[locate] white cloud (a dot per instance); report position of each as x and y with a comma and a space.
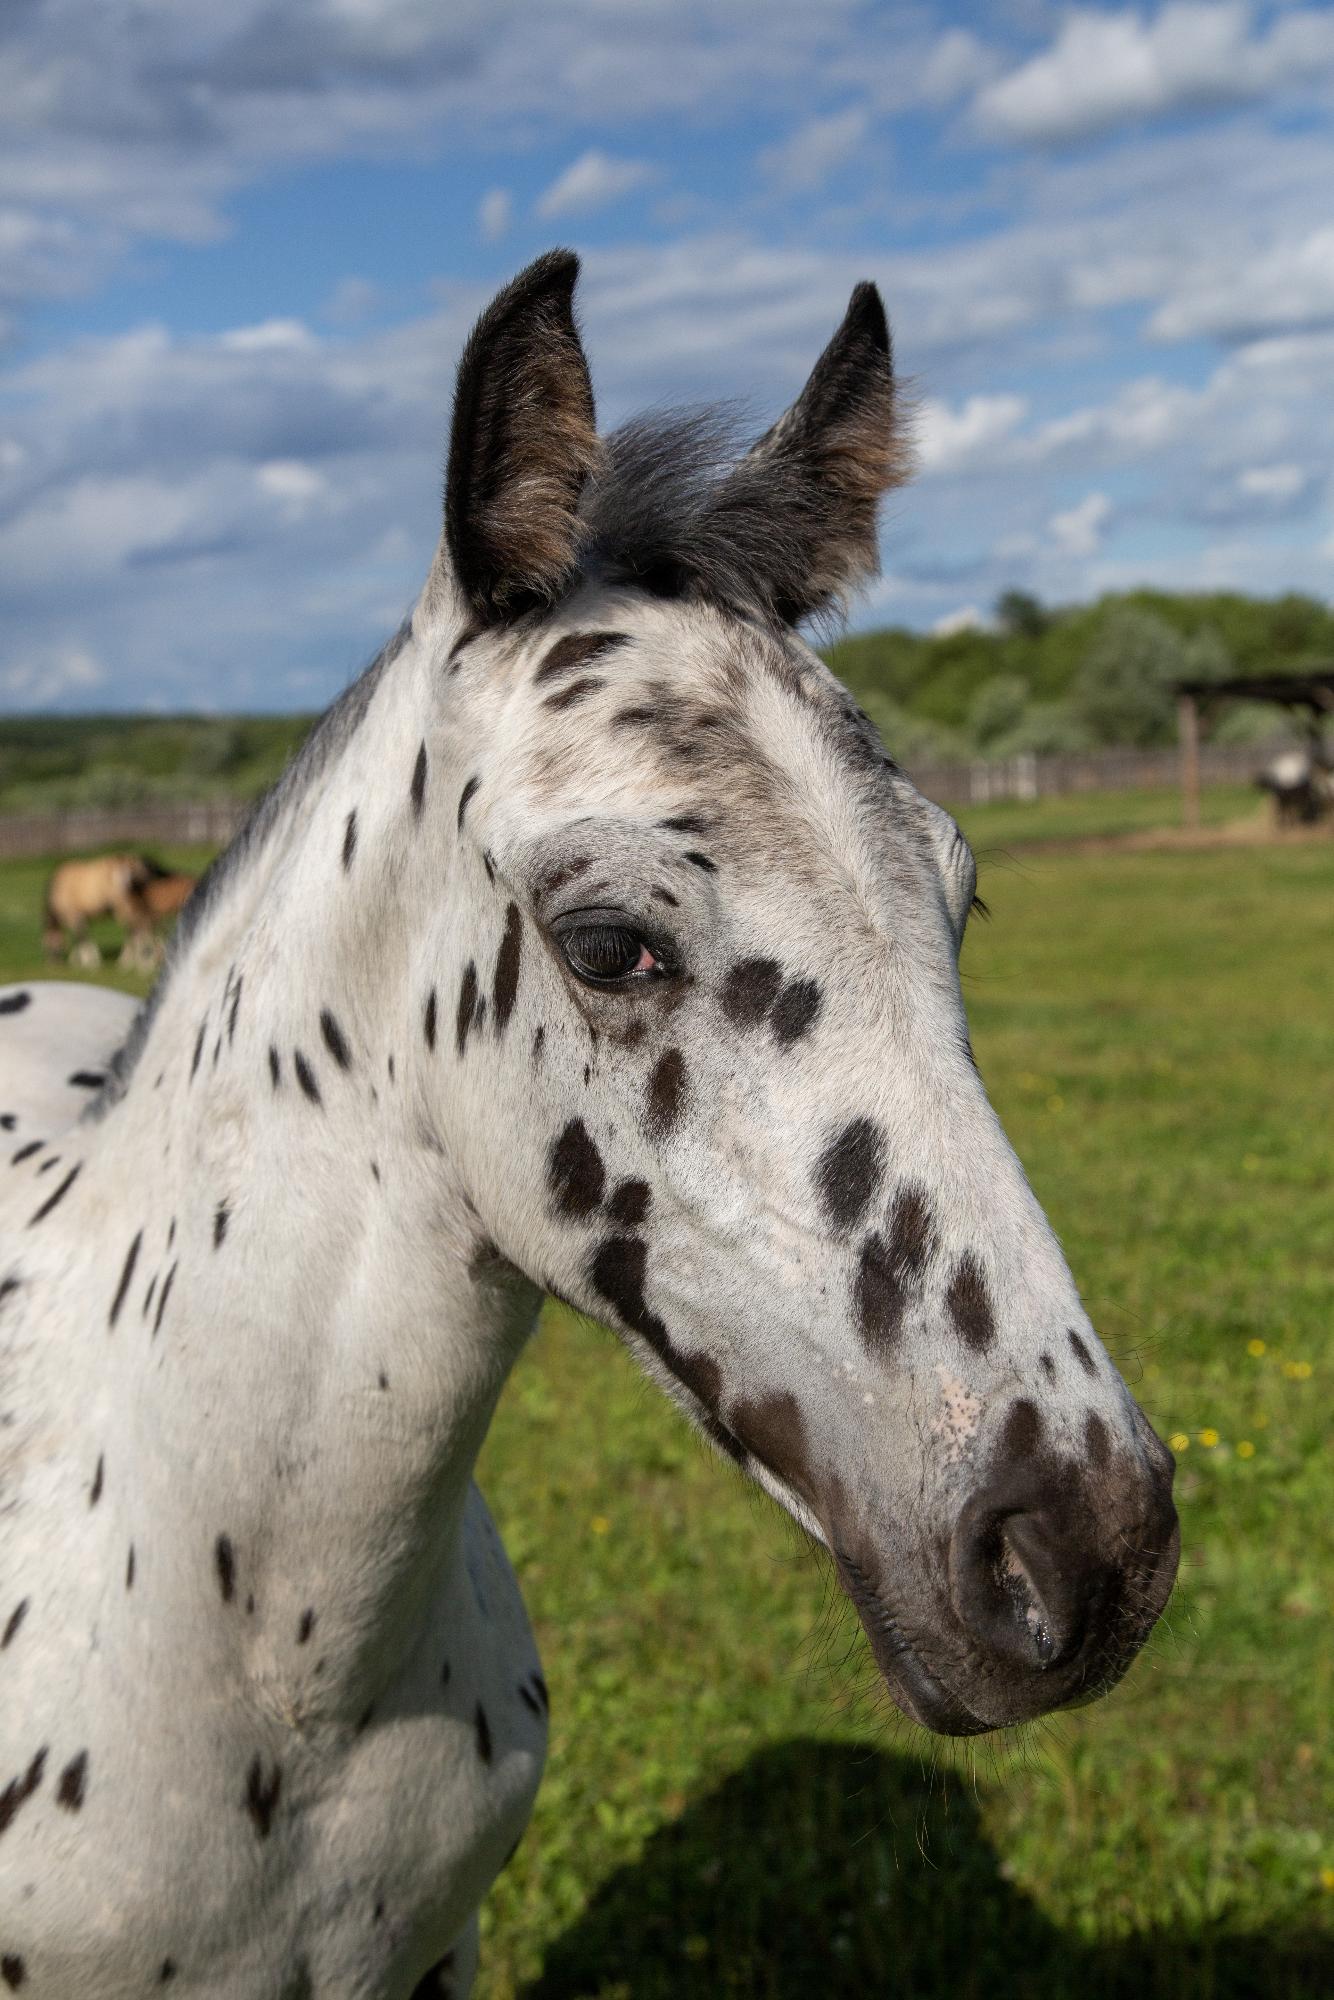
1079, 530
495, 212
590, 182
968, 618
1287, 286
1276, 483
48, 678
949, 440
1105, 69
957, 63
816, 150
351, 301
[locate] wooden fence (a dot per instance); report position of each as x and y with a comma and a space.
211, 824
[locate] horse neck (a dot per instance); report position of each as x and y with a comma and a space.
334, 1338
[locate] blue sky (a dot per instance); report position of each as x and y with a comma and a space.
240, 248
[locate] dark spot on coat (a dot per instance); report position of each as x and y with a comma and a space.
701, 861
1097, 1440
575, 1173
467, 1007
19, 1790
14, 1003
666, 896
349, 839
529, 1700
262, 1793
334, 1039
167, 1971
163, 1296
129, 1568
576, 649
26, 1152
222, 1215
275, 1067
305, 1076
750, 989
39, 1215
73, 1786
850, 1171
224, 1561
419, 783
13, 1970
466, 796
773, 1430
199, 1047
1022, 1430
574, 691
969, 1305
305, 1626
99, 1477
127, 1272
666, 1093
235, 1007
539, 1038
1048, 1366
618, 1272
540, 1689
685, 823
12, 1623
629, 1203
86, 1079
505, 983
483, 1729
1082, 1351
429, 1019
795, 1010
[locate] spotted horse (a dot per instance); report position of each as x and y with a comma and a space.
592, 946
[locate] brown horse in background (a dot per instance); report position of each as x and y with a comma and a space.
135, 890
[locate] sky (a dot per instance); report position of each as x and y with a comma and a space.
241, 246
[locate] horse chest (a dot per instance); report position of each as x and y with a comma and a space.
159, 1809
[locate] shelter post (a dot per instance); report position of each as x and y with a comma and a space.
1188, 734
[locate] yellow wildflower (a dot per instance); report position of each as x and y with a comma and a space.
1245, 1449
1179, 1441
1255, 1347
1209, 1439
600, 1524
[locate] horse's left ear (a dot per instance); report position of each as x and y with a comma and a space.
841, 446
523, 441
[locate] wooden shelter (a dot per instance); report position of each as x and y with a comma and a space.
1311, 691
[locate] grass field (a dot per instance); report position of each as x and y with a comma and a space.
728, 1809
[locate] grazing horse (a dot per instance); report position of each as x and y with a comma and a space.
592, 945
110, 886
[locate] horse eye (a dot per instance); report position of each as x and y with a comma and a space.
602, 954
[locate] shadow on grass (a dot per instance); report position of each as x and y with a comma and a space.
824, 1870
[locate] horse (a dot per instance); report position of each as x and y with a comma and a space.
112, 885
165, 895
1302, 785
593, 945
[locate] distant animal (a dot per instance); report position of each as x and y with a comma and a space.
1302, 785
593, 944
134, 889
79, 891
165, 895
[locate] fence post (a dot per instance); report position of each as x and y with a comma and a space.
1188, 735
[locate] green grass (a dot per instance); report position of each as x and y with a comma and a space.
728, 1809
1103, 815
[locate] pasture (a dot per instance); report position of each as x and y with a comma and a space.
728, 1809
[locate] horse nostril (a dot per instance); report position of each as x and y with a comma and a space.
1017, 1586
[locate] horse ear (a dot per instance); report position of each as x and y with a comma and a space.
522, 443
840, 447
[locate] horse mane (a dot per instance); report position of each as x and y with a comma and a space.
321, 749
676, 507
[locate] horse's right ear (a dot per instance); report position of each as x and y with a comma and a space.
522, 444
